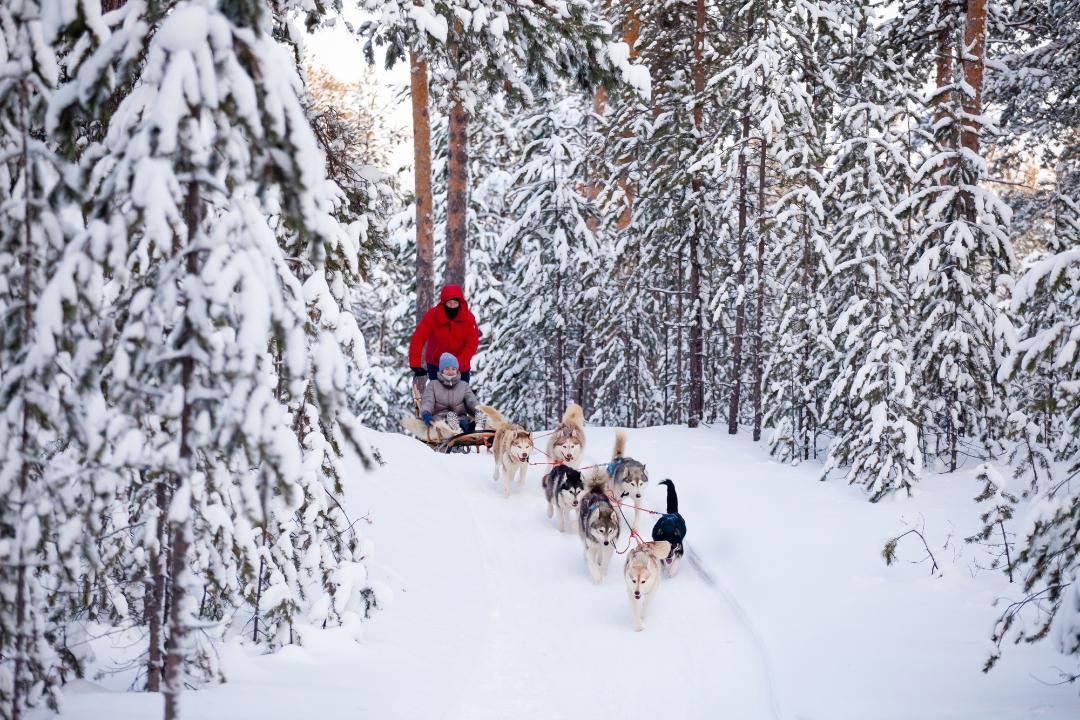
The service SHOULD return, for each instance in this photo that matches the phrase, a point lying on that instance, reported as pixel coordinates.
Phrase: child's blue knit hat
(447, 360)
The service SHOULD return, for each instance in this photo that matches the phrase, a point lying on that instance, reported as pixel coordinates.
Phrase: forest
(848, 229)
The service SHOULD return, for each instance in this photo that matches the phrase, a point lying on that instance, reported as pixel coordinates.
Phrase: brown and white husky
(511, 448)
(642, 574)
(567, 441)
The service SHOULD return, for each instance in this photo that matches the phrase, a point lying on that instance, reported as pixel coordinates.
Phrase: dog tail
(497, 419)
(620, 443)
(672, 497)
(596, 480)
(574, 415)
(415, 426)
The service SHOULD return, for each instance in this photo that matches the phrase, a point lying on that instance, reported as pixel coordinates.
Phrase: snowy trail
(747, 626)
(783, 609)
(545, 642)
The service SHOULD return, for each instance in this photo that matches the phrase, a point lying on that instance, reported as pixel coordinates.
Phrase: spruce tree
(871, 402)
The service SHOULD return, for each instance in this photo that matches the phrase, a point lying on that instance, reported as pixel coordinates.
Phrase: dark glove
(426, 417)
(419, 371)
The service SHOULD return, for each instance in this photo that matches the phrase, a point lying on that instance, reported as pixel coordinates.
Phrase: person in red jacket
(448, 327)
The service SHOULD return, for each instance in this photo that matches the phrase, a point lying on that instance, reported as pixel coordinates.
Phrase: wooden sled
(460, 443)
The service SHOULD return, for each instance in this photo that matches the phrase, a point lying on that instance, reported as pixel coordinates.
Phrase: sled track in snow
(743, 620)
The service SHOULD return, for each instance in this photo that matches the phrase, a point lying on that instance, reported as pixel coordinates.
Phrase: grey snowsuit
(438, 399)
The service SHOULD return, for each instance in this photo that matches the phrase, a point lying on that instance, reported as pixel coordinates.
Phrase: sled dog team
(587, 499)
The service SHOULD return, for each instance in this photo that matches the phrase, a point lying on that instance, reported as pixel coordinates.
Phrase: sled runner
(461, 442)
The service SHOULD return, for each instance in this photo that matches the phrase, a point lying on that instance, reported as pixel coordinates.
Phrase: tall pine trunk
(457, 194)
(974, 56)
(176, 647)
(759, 271)
(943, 72)
(156, 602)
(697, 320)
(971, 101)
(425, 223)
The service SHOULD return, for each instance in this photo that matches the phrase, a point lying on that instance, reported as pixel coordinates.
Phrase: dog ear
(659, 549)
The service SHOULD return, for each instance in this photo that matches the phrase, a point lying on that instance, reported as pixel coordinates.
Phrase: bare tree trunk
(157, 590)
(425, 233)
(176, 647)
(740, 277)
(943, 72)
(697, 319)
(581, 380)
(678, 338)
(973, 64)
(457, 194)
(759, 270)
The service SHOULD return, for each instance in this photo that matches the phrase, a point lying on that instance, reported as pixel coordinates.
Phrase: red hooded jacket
(459, 336)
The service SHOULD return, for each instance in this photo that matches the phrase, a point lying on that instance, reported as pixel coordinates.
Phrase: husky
(563, 487)
(599, 528)
(671, 527)
(512, 446)
(628, 476)
(436, 432)
(567, 441)
(642, 574)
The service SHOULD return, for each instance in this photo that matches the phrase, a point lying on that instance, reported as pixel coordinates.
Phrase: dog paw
(639, 627)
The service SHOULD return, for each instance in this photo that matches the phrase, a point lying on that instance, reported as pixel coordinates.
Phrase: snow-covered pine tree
(50, 510)
(870, 407)
(484, 47)
(778, 78)
(352, 126)
(1043, 365)
(999, 503)
(960, 248)
(230, 344)
(551, 244)
(1038, 129)
(665, 146)
(1049, 558)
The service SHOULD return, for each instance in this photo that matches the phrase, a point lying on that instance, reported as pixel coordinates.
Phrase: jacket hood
(452, 292)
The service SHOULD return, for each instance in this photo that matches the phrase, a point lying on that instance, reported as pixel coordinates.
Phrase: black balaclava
(451, 312)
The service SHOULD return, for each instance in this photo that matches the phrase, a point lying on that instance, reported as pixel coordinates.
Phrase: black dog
(671, 527)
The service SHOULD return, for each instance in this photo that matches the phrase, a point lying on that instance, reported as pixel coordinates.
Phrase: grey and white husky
(628, 476)
(599, 528)
(563, 488)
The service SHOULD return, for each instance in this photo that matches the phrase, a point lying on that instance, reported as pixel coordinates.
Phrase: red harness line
(555, 461)
(634, 535)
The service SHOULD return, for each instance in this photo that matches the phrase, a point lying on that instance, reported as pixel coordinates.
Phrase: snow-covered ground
(787, 610)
